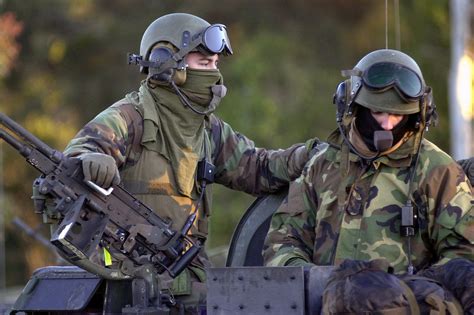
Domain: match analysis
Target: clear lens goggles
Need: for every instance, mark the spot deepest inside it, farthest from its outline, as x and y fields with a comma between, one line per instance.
x=215, y=39
x=384, y=75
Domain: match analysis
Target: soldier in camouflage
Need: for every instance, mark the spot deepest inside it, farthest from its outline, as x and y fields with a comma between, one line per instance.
x=377, y=188
x=152, y=140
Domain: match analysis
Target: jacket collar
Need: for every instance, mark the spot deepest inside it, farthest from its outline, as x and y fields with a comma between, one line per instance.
x=399, y=158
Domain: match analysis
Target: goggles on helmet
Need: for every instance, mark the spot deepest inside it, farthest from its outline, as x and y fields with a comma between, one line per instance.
x=382, y=76
x=214, y=39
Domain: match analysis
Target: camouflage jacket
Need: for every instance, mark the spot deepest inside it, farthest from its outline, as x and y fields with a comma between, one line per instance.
x=309, y=227
x=118, y=131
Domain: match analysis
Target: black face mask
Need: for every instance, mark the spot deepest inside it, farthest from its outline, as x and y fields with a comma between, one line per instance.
x=368, y=128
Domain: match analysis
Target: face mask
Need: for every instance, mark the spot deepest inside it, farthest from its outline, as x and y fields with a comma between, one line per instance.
x=375, y=137
x=203, y=87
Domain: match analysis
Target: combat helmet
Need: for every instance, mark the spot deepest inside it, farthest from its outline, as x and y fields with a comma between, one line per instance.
x=385, y=80
x=168, y=39
x=388, y=80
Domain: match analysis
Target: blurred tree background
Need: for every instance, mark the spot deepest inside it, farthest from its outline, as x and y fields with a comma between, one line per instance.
x=61, y=62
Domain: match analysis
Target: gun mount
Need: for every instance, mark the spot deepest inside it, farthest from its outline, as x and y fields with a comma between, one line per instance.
x=85, y=217
x=88, y=217
x=243, y=287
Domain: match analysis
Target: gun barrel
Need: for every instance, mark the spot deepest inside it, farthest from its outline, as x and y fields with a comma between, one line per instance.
x=21, y=132
x=184, y=261
x=18, y=145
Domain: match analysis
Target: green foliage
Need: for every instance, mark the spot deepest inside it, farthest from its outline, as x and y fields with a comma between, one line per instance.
x=71, y=64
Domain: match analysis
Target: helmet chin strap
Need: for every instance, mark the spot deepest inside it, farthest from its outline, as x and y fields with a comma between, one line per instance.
x=218, y=92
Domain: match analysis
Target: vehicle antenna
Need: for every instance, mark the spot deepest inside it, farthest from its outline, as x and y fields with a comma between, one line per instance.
x=386, y=24
x=396, y=10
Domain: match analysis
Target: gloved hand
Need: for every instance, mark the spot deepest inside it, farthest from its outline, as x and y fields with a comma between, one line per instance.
x=468, y=167
x=457, y=275
x=100, y=168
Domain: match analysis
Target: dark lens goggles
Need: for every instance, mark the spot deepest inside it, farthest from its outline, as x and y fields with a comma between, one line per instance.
x=215, y=39
x=384, y=75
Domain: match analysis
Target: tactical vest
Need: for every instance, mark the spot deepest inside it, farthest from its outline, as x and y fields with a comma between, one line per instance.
x=148, y=175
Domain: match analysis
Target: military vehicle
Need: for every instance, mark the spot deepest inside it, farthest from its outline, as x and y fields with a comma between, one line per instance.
x=144, y=246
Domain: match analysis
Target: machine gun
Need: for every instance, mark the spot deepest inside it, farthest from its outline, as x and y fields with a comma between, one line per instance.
x=85, y=216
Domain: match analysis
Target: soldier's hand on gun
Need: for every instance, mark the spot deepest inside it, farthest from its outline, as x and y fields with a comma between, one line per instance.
x=100, y=168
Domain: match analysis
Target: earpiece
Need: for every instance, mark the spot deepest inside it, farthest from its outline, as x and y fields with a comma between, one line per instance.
x=343, y=98
x=431, y=115
x=160, y=56
x=339, y=99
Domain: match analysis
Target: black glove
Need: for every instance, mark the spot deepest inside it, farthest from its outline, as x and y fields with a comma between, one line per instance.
x=364, y=287
x=468, y=167
x=457, y=275
x=100, y=168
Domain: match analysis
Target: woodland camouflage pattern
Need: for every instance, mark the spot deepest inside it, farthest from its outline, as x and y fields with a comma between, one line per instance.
x=309, y=228
x=146, y=174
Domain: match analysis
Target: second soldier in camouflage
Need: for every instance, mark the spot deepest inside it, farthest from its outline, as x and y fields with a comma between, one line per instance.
x=348, y=202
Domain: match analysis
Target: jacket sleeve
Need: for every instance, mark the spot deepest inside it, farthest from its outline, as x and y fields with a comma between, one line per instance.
x=291, y=237
x=110, y=132
x=451, y=203
x=242, y=166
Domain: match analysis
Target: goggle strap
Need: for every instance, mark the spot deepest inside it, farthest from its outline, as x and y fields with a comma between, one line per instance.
x=351, y=72
x=177, y=60
x=185, y=41
x=187, y=49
